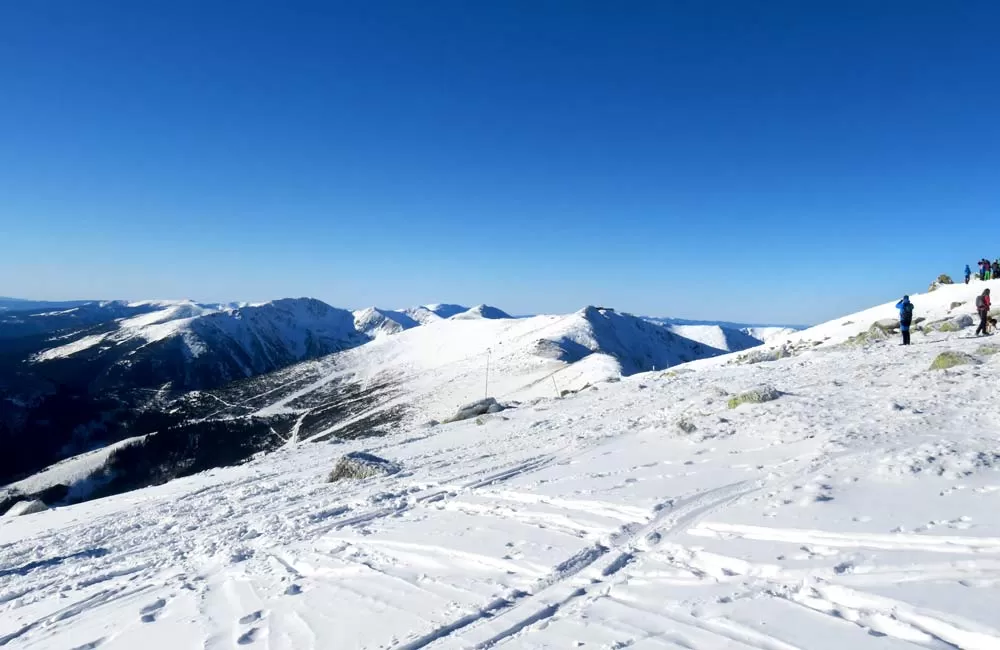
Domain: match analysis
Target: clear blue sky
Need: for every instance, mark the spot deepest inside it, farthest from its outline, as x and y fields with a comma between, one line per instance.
x=744, y=160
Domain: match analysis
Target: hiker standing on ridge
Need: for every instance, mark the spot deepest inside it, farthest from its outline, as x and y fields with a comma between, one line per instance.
x=905, y=308
x=968, y=273
x=983, y=307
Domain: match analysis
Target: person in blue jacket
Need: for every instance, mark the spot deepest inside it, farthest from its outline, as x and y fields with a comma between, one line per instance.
x=905, y=308
x=968, y=273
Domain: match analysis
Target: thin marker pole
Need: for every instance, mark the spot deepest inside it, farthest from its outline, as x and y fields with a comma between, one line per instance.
x=489, y=351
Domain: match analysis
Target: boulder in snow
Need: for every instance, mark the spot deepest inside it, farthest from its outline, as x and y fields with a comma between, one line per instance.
x=942, y=280
x=760, y=356
x=951, y=359
x=887, y=325
x=475, y=409
x=755, y=396
x=951, y=324
x=27, y=507
x=360, y=465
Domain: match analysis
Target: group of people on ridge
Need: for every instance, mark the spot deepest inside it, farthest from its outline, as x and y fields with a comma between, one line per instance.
x=905, y=308
x=987, y=270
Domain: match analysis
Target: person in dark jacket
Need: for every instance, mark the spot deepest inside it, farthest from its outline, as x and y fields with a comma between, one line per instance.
x=905, y=308
x=968, y=273
x=983, y=307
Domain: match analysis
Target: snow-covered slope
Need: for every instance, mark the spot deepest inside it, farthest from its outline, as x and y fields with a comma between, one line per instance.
x=437, y=367
x=425, y=372
x=859, y=509
x=716, y=336
x=930, y=310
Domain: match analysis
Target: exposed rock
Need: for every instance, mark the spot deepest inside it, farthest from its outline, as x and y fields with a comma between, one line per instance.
x=361, y=465
x=952, y=359
x=475, y=409
x=942, y=280
x=760, y=356
x=873, y=334
x=950, y=324
x=755, y=396
x=28, y=507
x=686, y=426
x=887, y=325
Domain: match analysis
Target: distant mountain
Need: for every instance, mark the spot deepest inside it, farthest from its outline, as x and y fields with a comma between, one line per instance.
x=769, y=334
x=725, y=335
x=379, y=322
x=18, y=304
x=98, y=373
x=425, y=314
x=481, y=311
x=159, y=384
x=716, y=336
x=721, y=323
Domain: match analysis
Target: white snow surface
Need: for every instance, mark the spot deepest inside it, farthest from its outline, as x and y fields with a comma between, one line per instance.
x=861, y=509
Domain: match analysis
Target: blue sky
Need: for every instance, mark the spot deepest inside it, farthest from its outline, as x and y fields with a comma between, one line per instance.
x=747, y=160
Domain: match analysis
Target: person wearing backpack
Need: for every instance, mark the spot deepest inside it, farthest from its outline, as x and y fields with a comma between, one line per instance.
x=905, y=308
x=968, y=273
x=983, y=307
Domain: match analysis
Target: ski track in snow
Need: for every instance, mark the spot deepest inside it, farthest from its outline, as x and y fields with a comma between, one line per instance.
x=860, y=509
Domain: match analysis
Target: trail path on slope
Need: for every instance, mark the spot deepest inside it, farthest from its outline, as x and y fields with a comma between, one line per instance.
x=860, y=509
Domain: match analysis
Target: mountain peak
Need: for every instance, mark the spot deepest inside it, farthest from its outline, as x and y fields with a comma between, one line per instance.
x=481, y=311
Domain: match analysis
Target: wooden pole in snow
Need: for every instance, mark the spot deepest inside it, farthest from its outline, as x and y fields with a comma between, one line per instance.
x=489, y=351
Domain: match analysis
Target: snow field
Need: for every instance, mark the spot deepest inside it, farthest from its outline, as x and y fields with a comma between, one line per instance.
x=860, y=509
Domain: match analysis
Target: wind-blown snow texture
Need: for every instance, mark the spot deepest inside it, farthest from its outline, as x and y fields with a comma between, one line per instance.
x=860, y=509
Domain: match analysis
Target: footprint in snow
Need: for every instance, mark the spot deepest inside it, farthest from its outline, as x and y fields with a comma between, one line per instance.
x=89, y=646
x=151, y=611
x=252, y=617
x=247, y=637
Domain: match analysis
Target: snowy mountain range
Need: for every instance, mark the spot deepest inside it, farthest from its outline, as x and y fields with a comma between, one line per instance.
x=81, y=379
x=829, y=489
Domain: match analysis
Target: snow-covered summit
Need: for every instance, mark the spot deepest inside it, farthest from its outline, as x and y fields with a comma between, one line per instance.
x=481, y=311
x=425, y=314
x=380, y=322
